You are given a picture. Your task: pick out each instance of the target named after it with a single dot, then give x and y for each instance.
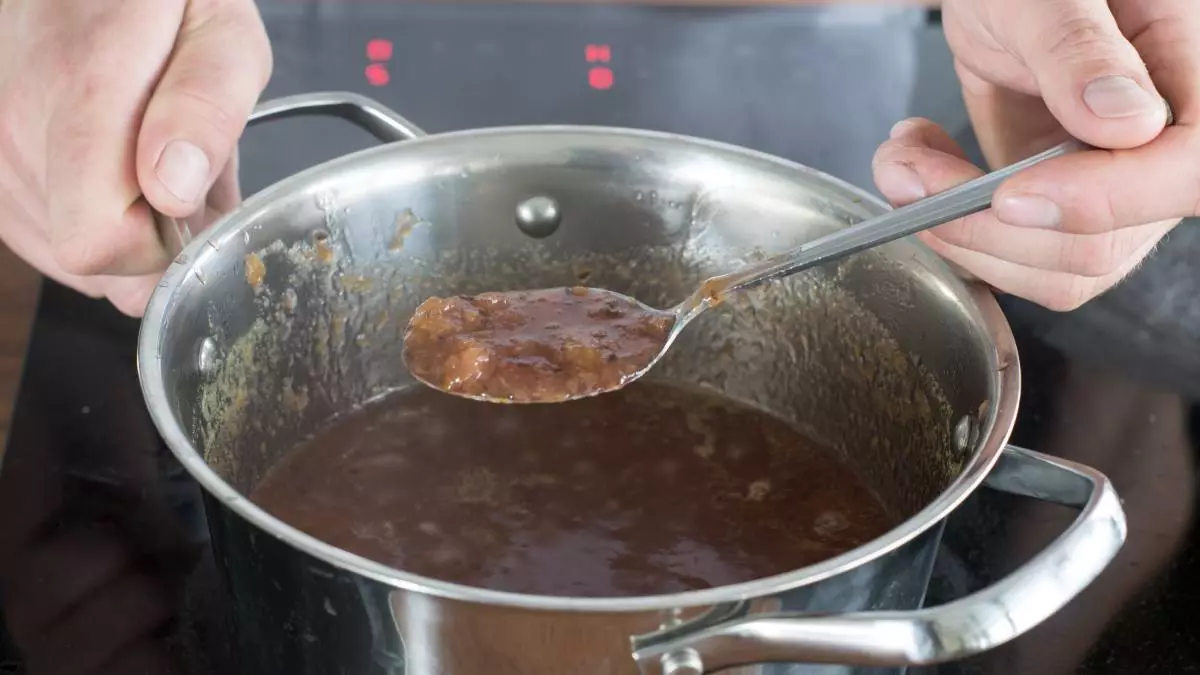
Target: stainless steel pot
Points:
(292, 308)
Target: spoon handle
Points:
(963, 200)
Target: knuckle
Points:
(258, 44)
(1080, 39)
(251, 61)
(263, 58)
(213, 100)
(913, 157)
(210, 110)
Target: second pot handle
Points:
(374, 117)
(369, 114)
(976, 623)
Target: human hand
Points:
(1034, 72)
(105, 106)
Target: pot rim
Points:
(1001, 415)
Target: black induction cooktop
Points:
(104, 565)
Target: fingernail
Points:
(183, 168)
(1118, 96)
(1028, 211)
(899, 183)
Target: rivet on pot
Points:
(682, 662)
(206, 358)
(965, 434)
(539, 216)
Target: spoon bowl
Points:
(540, 346)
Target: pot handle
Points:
(967, 626)
(374, 118)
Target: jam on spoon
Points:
(540, 346)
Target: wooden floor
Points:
(18, 293)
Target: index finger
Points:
(108, 57)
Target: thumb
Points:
(1092, 78)
(221, 63)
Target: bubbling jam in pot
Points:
(653, 489)
(533, 346)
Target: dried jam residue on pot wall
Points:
(653, 489)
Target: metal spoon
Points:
(970, 197)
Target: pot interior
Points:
(295, 309)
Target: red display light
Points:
(600, 78)
(377, 75)
(597, 53)
(379, 50)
